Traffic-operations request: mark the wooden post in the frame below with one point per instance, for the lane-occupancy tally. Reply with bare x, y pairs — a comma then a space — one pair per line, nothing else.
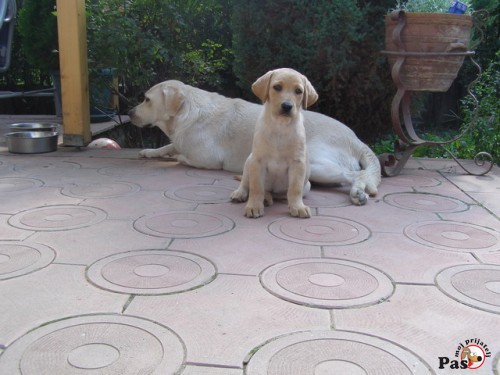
71, 23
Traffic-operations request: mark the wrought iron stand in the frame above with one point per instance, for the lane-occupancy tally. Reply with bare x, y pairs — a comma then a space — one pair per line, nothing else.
408, 139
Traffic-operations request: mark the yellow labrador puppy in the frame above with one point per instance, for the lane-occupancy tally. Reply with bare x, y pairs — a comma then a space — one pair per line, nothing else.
208, 130
278, 163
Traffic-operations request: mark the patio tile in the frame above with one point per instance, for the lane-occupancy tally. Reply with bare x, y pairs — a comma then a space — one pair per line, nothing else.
477, 184
223, 321
328, 352
203, 370
476, 215
244, 250
86, 245
132, 206
405, 261
102, 238
7, 232
118, 344
393, 219
419, 319
12, 202
55, 292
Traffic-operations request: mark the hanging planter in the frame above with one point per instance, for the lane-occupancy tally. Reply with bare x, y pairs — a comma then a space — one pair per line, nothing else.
428, 49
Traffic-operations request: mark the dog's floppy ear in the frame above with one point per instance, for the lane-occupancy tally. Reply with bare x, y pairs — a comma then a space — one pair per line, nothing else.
261, 87
310, 94
173, 99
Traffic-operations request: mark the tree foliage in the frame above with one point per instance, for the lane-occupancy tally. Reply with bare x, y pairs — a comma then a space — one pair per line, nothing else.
148, 41
336, 44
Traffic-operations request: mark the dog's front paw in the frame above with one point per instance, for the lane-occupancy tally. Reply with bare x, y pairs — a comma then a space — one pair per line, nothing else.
149, 153
239, 195
300, 211
358, 197
254, 210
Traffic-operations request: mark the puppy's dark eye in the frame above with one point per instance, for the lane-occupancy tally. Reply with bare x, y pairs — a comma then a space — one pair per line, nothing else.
277, 88
298, 91
146, 99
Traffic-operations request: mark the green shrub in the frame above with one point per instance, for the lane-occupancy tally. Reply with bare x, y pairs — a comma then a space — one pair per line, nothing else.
37, 26
149, 41
429, 6
484, 133
336, 44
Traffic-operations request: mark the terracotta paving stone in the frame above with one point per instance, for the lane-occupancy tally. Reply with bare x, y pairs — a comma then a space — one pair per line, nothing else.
55, 292
7, 232
431, 328
403, 260
203, 370
89, 244
245, 252
119, 265
15, 201
224, 320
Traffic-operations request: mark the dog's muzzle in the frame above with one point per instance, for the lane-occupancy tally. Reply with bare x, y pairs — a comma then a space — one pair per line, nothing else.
286, 107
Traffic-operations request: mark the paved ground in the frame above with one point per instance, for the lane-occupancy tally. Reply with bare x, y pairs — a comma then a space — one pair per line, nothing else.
114, 265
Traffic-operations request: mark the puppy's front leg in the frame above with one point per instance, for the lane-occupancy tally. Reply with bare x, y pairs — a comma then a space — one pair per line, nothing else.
255, 204
241, 194
296, 178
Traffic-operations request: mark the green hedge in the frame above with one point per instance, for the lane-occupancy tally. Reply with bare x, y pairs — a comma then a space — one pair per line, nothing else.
336, 44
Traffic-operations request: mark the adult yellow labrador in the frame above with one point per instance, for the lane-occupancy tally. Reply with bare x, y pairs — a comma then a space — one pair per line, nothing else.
208, 130
278, 165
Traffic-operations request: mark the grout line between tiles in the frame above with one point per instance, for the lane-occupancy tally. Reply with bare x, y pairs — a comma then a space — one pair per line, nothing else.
470, 196
236, 274
201, 364
127, 303
413, 284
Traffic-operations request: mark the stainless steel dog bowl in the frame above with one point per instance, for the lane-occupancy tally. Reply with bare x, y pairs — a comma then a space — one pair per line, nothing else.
34, 126
33, 142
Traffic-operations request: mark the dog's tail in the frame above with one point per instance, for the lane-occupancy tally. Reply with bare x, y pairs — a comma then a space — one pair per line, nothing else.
368, 178
372, 171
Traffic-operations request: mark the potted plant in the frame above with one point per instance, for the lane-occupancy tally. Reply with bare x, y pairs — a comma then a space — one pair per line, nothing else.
426, 42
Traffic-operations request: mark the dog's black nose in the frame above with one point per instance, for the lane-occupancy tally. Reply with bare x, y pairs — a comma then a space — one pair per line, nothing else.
131, 112
286, 106
479, 358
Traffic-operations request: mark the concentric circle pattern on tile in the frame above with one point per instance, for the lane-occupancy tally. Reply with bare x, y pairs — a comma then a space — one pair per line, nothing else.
425, 202
320, 230
104, 344
327, 283
412, 181
183, 224
210, 173
45, 164
130, 170
475, 285
15, 184
151, 272
454, 236
20, 258
200, 193
333, 352
101, 190
318, 198
54, 218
